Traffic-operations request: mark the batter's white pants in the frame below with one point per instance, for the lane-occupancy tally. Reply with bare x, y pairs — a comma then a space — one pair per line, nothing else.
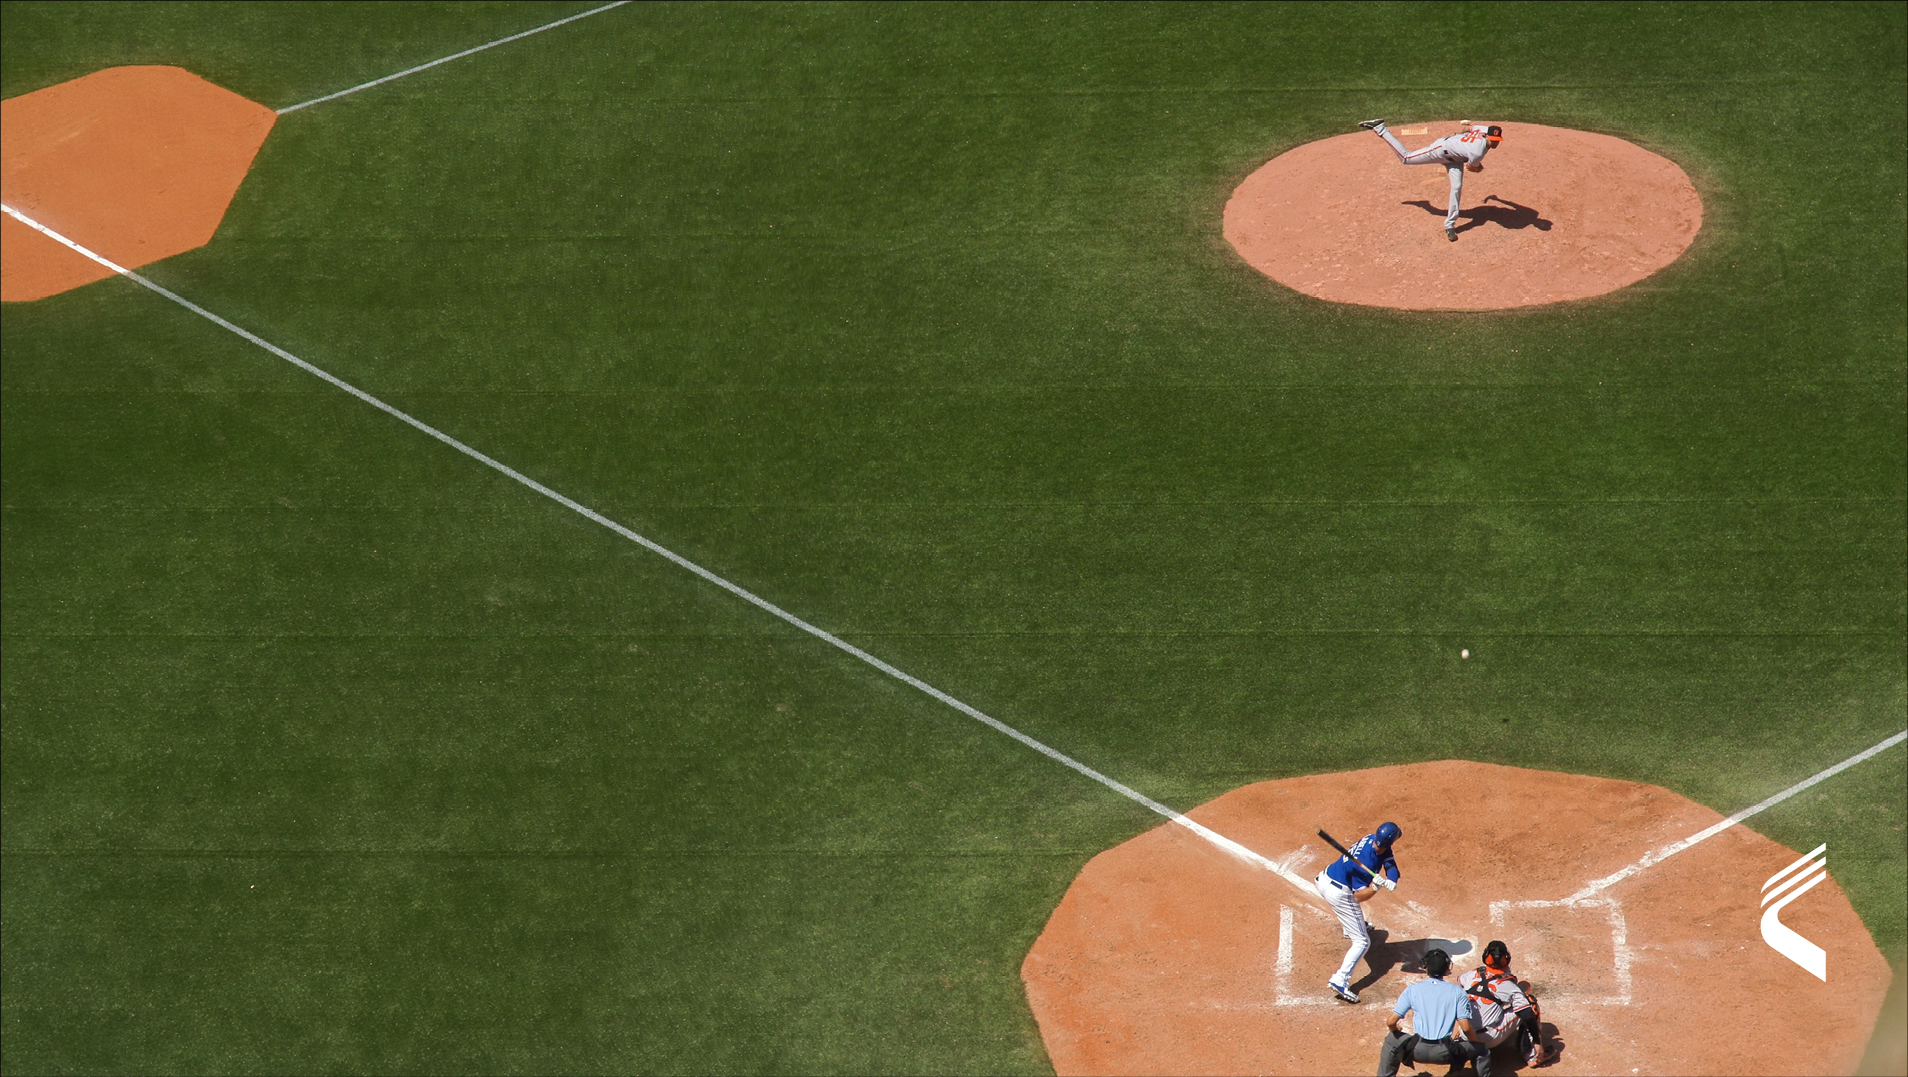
1351, 917
1428, 156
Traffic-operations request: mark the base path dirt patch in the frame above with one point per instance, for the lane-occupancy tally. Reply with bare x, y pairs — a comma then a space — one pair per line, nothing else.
1556, 214
1168, 955
134, 163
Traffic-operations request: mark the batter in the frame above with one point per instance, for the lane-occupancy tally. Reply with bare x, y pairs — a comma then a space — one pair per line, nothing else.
1464, 150
1350, 881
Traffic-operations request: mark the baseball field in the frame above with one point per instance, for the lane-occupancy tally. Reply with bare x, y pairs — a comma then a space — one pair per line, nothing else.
326, 748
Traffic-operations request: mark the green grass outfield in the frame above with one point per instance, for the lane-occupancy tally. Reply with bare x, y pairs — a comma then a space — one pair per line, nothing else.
328, 750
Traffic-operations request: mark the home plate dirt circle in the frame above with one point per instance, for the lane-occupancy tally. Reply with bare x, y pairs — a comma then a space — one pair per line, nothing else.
1168, 955
1556, 214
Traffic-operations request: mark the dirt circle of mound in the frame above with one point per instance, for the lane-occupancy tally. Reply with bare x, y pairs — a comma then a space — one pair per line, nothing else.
134, 163
1170, 956
1556, 214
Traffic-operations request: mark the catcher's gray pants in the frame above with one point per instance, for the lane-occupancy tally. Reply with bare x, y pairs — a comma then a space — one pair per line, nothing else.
1525, 1032
1430, 156
1399, 1047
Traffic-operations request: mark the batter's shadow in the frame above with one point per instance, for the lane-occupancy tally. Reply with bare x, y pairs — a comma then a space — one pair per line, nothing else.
1406, 955
1506, 214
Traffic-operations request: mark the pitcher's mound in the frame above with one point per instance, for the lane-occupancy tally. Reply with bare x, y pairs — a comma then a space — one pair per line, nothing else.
1556, 214
1168, 955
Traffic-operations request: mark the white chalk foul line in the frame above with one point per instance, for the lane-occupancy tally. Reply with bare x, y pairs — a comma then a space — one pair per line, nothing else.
1217, 839
448, 59
1668, 851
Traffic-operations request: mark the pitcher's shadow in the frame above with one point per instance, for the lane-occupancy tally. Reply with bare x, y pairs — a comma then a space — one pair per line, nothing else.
1506, 214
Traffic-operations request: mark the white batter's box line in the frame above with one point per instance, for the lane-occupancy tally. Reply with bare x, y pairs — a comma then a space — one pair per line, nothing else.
1620, 956
1282, 988
1282, 994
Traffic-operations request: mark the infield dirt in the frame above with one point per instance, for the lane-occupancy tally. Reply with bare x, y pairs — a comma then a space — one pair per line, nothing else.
1168, 955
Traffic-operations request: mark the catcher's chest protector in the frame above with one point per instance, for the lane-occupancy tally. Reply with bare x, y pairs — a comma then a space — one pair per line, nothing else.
1486, 976
1482, 988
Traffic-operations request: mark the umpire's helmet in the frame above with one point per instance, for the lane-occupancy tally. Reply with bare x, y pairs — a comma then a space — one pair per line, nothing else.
1388, 833
1436, 962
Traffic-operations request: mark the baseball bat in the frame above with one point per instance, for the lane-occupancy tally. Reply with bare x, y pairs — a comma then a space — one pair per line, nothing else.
1375, 877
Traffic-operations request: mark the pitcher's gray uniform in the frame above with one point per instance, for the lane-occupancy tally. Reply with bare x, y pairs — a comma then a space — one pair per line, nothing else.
1466, 149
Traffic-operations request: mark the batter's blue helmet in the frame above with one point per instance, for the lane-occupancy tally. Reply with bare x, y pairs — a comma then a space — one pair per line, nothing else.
1388, 833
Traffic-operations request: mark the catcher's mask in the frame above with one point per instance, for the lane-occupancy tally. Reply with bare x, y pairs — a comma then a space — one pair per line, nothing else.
1497, 956
1494, 134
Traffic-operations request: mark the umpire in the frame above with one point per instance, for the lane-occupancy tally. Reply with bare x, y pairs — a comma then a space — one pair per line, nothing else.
1443, 1017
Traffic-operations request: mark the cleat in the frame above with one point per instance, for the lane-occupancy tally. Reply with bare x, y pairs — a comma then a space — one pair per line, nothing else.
1344, 993
1450, 233
1372, 125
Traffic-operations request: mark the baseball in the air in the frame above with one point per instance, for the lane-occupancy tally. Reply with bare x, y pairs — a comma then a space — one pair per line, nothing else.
1464, 654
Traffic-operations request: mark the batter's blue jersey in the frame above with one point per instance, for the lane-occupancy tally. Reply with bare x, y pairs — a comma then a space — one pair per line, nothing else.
1355, 871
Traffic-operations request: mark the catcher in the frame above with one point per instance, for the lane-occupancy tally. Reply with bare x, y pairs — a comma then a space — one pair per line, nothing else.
1507, 1011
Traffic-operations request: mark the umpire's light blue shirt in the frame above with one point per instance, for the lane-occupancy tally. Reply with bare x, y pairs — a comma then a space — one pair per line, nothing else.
1438, 1006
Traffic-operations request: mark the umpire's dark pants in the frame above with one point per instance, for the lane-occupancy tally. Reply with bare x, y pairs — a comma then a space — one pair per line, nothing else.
1400, 1047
